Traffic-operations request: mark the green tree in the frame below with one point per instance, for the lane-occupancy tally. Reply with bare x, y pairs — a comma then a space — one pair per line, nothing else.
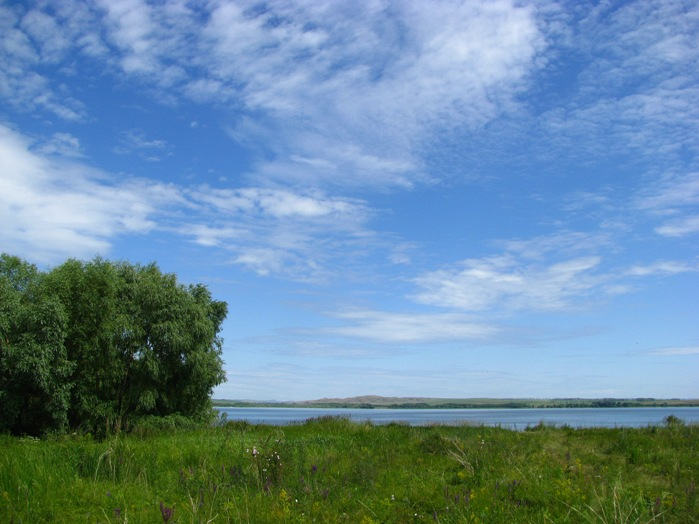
34, 368
89, 295
143, 344
109, 342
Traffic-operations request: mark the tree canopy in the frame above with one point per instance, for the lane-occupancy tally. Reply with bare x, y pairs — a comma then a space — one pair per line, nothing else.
95, 346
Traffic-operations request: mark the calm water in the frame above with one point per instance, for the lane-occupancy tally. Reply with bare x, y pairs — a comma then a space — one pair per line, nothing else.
506, 418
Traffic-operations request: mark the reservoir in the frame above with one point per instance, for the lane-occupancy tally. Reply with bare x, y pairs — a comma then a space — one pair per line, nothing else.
518, 419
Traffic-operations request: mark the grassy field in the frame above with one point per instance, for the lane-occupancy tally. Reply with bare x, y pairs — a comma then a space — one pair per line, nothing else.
333, 470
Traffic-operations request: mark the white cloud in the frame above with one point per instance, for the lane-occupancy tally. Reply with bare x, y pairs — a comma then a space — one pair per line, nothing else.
365, 89
668, 267
52, 208
410, 328
354, 89
50, 40
347, 96
557, 272
359, 91
673, 199
332, 163
134, 141
568, 242
679, 351
54, 205
547, 273
679, 228
212, 236
504, 281
62, 144
16, 45
135, 138
669, 193
140, 32
278, 231
27, 43
264, 261
635, 83
281, 203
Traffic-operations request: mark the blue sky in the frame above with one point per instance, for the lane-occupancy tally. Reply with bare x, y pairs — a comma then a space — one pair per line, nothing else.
444, 199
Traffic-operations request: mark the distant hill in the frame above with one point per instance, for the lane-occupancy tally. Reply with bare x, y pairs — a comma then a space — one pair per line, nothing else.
376, 401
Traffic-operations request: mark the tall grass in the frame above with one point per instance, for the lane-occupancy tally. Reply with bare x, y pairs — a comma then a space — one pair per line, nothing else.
333, 470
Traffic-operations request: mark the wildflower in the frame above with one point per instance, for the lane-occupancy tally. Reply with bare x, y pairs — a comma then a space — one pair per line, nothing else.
166, 512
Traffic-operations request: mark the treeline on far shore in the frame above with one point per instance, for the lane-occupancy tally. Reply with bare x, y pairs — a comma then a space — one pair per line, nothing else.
479, 403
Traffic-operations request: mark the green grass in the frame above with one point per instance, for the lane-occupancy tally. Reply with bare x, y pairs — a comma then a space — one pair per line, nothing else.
333, 470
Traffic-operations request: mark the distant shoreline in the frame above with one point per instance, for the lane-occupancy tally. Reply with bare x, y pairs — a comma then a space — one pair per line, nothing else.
378, 402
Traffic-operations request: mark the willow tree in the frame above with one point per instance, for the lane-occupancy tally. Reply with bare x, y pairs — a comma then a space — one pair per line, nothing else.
34, 369
136, 343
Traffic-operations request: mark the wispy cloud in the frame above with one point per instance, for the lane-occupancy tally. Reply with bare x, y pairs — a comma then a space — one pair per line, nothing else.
61, 144
559, 272
562, 242
504, 281
45, 37
338, 99
345, 102
410, 328
663, 268
635, 89
278, 231
361, 96
281, 203
680, 227
670, 193
673, 199
135, 141
53, 204
28, 42
51, 207
672, 352
355, 94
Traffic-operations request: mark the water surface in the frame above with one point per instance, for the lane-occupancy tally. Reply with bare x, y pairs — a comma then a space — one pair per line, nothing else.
506, 418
